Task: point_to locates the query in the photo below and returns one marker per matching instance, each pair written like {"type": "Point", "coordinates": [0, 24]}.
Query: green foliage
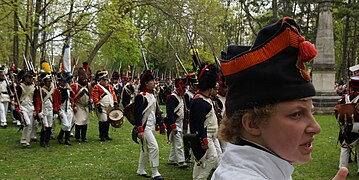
{"type": "Point", "coordinates": [208, 23]}
{"type": "Point", "coordinates": [117, 159]}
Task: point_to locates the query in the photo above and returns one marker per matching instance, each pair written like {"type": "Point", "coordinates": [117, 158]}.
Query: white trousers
{"type": "Point", "coordinates": [218, 147]}
{"type": "Point", "coordinates": [202, 172]}
{"type": "Point", "coordinates": [28, 112]}
{"type": "Point", "coordinates": [3, 112]}
{"type": "Point", "coordinates": [102, 117]}
{"type": "Point", "coordinates": [176, 151]}
{"type": "Point", "coordinates": [344, 155]}
{"type": "Point", "coordinates": [48, 118]}
{"type": "Point", "coordinates": [66, 119]}
{"type": "Point", "coordinates": [149, 152]}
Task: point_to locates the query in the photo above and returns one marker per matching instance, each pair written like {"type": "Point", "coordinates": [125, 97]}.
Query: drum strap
{"type": "Point", "coordinates": [77, 96]}
{"type": "Point", "coordinates": [48, 94]}
{"type": "Point", "coordinates": [108, 93]}
{"type": "Point", "coordinates": [146, 112]}
{"type": "Point", "coordinates": [355, 99]}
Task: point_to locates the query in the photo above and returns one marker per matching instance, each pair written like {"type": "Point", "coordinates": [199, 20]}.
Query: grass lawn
{"type": "Point", "coordinates": [117, 159]}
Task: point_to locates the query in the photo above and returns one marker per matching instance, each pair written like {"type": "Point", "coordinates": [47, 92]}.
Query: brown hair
{"type": "Point", "coordinates": [231, 127]}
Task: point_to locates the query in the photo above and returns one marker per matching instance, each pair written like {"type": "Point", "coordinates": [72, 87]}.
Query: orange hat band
{"type": "Point", "coordinates": [273, 47]}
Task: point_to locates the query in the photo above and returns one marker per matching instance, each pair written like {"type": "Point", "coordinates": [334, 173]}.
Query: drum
{"type": "Point", "coordinates": [346, 114]}
{"type": "Point", "coordinates": [115, 116]}
{"type": "Point", "coordinates": [129, 113]}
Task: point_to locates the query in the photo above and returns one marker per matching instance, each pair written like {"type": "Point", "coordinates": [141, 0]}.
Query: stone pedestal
{"type": "Point", "coordinates": [323, 70]}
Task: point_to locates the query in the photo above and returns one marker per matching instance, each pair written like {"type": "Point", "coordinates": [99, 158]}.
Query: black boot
{"type": "Point", "coordinates": [106, 130]}
{"type": "Point", "coordinates": [47, 136]}
{"type": "Point", "coordinates": [61, 136]}
{"type": "Point", "coordinates": [101, 130]}
{"type": "Point", "coordinates": [67, 138]}
{"type": "Point", "coordinates": [42, 138]}
{"type": "Point", "coordinates": [83, 133]}
{"type": "Point", "coordinates": [77, 132]}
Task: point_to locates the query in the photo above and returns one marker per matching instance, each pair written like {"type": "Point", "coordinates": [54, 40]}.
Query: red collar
{"type": "Point", "coordinates": [147, 91]}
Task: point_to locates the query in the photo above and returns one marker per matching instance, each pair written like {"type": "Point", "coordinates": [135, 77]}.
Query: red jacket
{"type": "Point", "coordinates": [58, 99]}
{"type": "Point", "coordinates": [98, 93]}
{"type": "Point", "coordinates": [75, 90]}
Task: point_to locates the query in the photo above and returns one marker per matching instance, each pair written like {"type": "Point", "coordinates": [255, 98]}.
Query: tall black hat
{"type": "Point", "coordinates": [115, 75]}
{"type": "Point", "coordinates": [272, 70]}
{"type": "Point", "coordinates": [147, 76]}
{"type": "Point", "coordinates": [45, 76]}
{"type": "Point", "coordinates": [81, 74]}
{"type": "Point", "coordinates": [64, 76]}
{"type": "Point", "coordinates": [180, 83]}
{"type": "Point", "coordinates": [207, 77]}
{"type": "Point", "coordinates": [24, 73]}
{"type": "Point", "coordinates": [102, 74]}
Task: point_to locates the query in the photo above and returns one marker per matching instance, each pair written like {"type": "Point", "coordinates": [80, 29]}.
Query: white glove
{"type": "Point", "coordinates": [56, 116]}
{"type": "Point", "coordinates": [41, 115]}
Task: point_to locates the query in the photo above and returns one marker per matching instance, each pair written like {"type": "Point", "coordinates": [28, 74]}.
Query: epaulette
{"type": "Point", "coordinates": [197, 96]}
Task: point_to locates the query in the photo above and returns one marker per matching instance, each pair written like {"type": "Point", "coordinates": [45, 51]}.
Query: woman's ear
{"type": "Point", "coordinates": [249, 126]}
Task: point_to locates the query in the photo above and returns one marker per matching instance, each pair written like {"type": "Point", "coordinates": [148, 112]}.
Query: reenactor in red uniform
{"type": "Point", "coordinates": [63, 106]}
{"type": "Point", "coordinates": [82, 99]}
{"type": "Point", "coordinates": [104, 98]}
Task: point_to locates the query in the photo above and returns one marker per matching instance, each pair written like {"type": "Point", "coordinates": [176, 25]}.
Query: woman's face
{"type": "Point", "coordinates": [290, 130]}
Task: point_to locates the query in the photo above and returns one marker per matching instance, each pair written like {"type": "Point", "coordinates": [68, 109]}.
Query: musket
{"type": "Point", "coordinates": [22, 120]}
{"type": "Point", "coordinates": [52, 75]}
{"type": "Point", "coordinates": [42, 108]}
{"type": "Point", "coordinates": [144, 58]}
{"type": "Point", "coordinates": [196, 60]}
{"type": "Point", "coordinates": [31, 65]}
{"type": "Point", "coordinates": [177, 58]}
{"type": "Point", "coordinates": [26, 63]}
{"type": "Point", "coordinates": [214, 54]}
{"type": "Point", "coordinates": [74, 66]}
{"type": "Point", "coordinates": [8, 85]}
{"type": "Point", "coordinates": [119, 68]}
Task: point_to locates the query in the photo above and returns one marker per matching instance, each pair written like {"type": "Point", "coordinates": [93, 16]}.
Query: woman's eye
{"type": "Point", "coordinates": [296, 115]}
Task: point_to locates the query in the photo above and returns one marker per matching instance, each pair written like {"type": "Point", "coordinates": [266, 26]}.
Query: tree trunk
{"type": "Point", "coordinates": [36, 27]}
{"type": "Point", "coordinates": [99, 44]}
{"type": "Point", "coordinates": [345, 72]}
{"type": "Point", "coordinates": [27, 29]}
{"type": "Point", "coordinates": [15, 49]}
{"type": "Point", "coordinates": [43, 52]}
{"type": "Point", "coordinates": [275, 10]}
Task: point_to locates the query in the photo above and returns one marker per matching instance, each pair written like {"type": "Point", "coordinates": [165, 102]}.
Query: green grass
{"type": "Point", "coordinates": [118, 159]}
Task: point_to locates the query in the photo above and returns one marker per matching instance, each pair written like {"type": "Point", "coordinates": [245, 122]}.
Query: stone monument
{"type": "Point", "coordinates": [323, 70]}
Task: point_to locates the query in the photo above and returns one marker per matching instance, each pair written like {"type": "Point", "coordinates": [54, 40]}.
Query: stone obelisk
{"type": "Point", "coordinates": [323, 70]}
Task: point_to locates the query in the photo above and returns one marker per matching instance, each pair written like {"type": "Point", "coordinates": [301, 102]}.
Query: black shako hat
{"type": "Point", "coordinates": [272, 70]}
{"type": "Point", "coordinates": [146, 76]}
{"type": "Point", "coordinates": [64, 76]}
{"type": "Point", "coordinates": [102, 74]}
{"type": "Point", "coordinates": [180, 83]}
{"type": "Point", "coordinates": [207, 77]}
{"type": "Point", "coordinates": [115, 75]}
{"type": "Point", "coordinates": [45, 76]}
